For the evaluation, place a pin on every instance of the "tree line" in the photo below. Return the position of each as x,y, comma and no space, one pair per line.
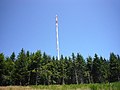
40,69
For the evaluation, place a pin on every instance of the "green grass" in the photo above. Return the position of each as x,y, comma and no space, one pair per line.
62,87
103,86
107,86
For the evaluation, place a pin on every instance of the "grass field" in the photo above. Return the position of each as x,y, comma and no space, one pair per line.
112,86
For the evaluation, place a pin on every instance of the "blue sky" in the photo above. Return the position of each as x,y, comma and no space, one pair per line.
85,26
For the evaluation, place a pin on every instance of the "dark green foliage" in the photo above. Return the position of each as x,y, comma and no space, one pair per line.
20,72
89,70
2,69
40,69
96,69
12,57
80,63
114,68
9,66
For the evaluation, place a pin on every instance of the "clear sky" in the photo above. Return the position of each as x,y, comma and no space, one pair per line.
85,26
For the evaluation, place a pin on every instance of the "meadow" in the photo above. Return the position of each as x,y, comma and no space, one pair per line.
107,86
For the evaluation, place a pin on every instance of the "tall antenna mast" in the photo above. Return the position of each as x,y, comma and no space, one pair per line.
58,50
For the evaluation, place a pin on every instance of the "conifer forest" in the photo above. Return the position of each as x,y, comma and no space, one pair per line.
38,68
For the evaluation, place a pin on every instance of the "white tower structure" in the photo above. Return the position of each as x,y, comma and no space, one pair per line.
57,38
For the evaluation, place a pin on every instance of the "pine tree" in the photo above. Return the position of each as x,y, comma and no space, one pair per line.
12,57
2,69
118,58
80,68
46,69
20,69
69,71
28,59
114,68
36,65
75,78
56,71
9,66
89,69
62,69
96,69
103,70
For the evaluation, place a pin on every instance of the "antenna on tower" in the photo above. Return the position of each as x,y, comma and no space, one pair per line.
58,50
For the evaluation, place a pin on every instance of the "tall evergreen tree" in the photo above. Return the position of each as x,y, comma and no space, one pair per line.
20,69
118,58
12,57
28,64
36,64
80,68
46,69
62,70
89,69
114,70
69,71
103,70
9,66
2,69
75,78
96,69
56,71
